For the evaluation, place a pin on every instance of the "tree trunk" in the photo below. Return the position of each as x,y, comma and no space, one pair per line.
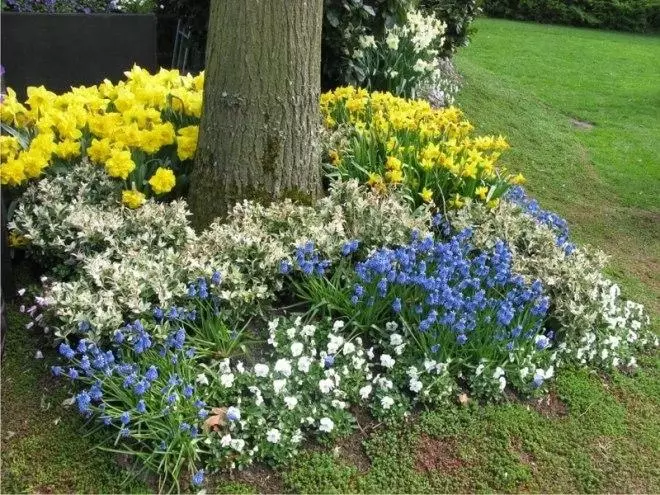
260,119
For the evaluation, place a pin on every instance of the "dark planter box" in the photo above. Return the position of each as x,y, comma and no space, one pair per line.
64,50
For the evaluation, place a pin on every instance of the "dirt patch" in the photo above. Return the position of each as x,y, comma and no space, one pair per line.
351,450
550,406
438,454
262,478
582,124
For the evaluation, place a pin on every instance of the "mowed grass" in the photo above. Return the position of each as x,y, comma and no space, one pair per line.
596,433
581,109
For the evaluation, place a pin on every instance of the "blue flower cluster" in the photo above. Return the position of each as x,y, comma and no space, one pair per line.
453,294
307,259
518,196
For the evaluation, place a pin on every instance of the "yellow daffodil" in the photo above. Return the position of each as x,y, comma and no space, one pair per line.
163,181
426,195
132,198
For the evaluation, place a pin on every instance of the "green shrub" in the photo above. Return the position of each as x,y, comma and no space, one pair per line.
625,15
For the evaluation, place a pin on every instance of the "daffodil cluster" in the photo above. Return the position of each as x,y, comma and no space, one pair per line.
142,131
428,154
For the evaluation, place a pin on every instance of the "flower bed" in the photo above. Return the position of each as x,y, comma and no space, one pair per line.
422,275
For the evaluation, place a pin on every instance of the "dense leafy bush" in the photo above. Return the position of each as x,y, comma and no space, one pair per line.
458,15
627,15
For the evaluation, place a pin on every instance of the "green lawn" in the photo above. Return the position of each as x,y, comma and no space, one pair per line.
530,82
596,434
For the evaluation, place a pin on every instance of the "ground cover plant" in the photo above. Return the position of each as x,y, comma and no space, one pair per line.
172,367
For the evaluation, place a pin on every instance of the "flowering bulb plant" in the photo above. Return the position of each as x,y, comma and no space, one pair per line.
428,154
143,131
145,391
403,58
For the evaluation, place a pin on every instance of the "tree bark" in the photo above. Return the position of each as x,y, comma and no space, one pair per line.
260,119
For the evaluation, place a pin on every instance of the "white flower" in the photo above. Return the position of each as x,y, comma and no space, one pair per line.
615,362
326,385
386,361
336,341
502,383
387,402
272,325
226,440
415,385
227,380
297,437
273,435
202,379
524,372
291,332
308,331
396,339
498,373
261,370
604,353
237,444
479,370
21,292
370,353
365,391
38,355
429,365
549,373
296,349
338,325
391,326
367,41
304,363
326,425
278,385
392,41
283,366
348,348
290,402
398,350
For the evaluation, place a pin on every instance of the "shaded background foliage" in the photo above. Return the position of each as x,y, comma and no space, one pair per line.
625,15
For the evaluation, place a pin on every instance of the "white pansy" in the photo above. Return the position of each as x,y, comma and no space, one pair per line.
326,385
386,402
304,363
238,444
415,385
273,435
365,391
227,380
261,370
283,366
296,349
326,425
291,402
278,385
308,331
387,361
396,339
348,348
225,441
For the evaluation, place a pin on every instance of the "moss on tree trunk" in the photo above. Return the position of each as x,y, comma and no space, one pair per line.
260,121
